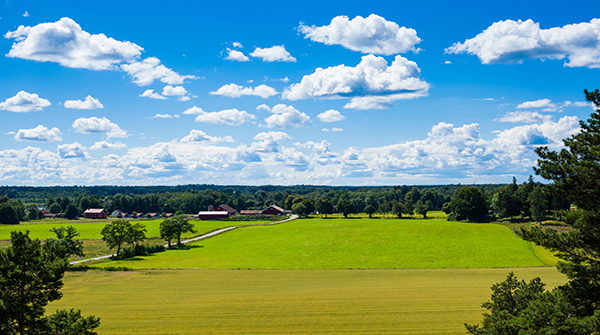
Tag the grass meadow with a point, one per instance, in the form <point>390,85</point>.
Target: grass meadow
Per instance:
<point>307,276</point>
<point>413,301</point>
<point>359,243</point>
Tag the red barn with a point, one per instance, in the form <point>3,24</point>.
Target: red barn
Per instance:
<point>225,208</point>
<point>272,210</point>
<point>95,213</point>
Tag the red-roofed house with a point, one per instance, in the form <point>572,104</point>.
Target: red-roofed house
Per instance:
<point>273,210</point>
<point>95,213</point>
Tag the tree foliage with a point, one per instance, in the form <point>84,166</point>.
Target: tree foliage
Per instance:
<point>172,228</point>
<point>573,308</point>
<point>121,231</point>
<point>469,203</point>
<point>30,277</point>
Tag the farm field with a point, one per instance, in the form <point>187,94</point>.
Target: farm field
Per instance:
<point>359,243</point>
<point>413,301</point>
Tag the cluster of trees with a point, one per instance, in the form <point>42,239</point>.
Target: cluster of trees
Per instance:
<point>519,307</point>
<point>31,275</point>
<point>121,231</point>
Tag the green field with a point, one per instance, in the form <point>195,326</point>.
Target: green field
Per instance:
<point>430,301</point>
<point>91,229</point>
<point>352,244</point>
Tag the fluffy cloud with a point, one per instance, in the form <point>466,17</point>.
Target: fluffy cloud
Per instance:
<point>368,35</point>
<point>89,103</point>
<point>525,117</point>
<point>237,56</point>
<point>275,53</point>
<point>451,153</point>
<point>164,116</point>
<point>542,103</point>
<point>272,136</point>
<point>331,116</point>
<point>372,84</point>
<point>200,136</point>
<point>103,145</point>
<point>64,42</point>
<point>152,95</point>
<point>72,150</point>
<point>193,111</point>
<point>148,70</point>
<point>336,129</point>
<point>97,125</point>
<point>513,41</point>
<point>232,117</point>
<point>547,133</point>
<point>236,91</point>
<point>39,133</point>
<point>287,117</point>
<point>174,90</point>
<point>24,102</point>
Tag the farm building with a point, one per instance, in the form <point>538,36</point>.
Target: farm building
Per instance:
<point>212,215</point>
<point>249,212</point>
<point>49,215</point>
<point>226,208</point>
<point>95,213</point>
<point>273,210</point>
<point>119,212</point>
<point>153,215</point>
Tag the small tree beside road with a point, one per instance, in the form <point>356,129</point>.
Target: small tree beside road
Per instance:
<point>173,228</point>
<point>121,231</point>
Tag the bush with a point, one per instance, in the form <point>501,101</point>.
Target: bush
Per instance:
<point>140,250</point>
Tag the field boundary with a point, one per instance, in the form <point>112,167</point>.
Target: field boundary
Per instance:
<point>201,237</point>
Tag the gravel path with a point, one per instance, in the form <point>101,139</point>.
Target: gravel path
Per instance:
<point>202,237</point>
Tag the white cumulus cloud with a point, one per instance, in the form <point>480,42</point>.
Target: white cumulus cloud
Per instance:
<point>98,125</point>
<point>150,69</point>
<point>372,34</point>
<point>524,116</point>
<point>39,134</point>
<point>287,117</point>
<point>272,136</point>
<point>372,84</point>
<point>236,91</point>
<point>64,42</point>
<point>164,116</point>
<point>89,103</point>
<point>542,103</point>
<point>331,116</point>
<point>104,145</point>
<point>174,90</point>
<point>231,117</point>
<point>275,53</point>
<point>237,56</point>
<point>152,95</point>
<point>24,102</point>
<point>513,41</point>
<point>200,136</point>
<point>72,150</point>
<point>193,111</point>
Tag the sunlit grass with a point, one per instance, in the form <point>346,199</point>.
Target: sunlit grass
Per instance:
<point>358,243</point>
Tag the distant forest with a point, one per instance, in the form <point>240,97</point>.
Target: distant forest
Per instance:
<point>507,200</point>
<point>192,198</point>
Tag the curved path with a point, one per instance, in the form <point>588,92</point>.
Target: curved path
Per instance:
<point>201,237</point>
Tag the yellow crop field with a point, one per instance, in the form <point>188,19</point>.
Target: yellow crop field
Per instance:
<point>413,301</point>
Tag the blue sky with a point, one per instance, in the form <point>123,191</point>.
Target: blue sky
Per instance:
<point>313,92</point>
